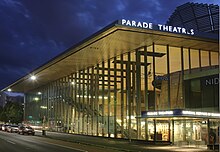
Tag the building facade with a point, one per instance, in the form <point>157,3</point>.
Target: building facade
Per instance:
<point>131,80</point>
<point>201,17</point>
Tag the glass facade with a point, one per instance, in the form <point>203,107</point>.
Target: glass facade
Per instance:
<point>107,98</point>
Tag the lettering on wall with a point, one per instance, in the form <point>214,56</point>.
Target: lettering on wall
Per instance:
<point>160,27</point>
<point>212,81</point>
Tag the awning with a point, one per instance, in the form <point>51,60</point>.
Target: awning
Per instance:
<point>107,43</point>
<point>179,113</point>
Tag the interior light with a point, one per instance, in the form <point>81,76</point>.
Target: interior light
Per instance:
<point>9,90</point>
<point>36,99</point>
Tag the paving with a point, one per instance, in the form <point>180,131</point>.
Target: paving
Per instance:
<point>121,144</point>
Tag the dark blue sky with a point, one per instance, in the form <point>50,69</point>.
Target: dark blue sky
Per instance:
<point>34,31</point>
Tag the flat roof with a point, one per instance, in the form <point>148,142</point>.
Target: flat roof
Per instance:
<point>107,43</point>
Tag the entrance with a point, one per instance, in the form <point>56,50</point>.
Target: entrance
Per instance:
<point>181,131</point>
<point>190,132</point>
<point>159,130</point>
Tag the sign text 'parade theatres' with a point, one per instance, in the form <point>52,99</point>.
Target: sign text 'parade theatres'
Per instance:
<point>159,27</point>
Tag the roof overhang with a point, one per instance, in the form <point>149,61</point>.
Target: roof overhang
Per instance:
<point>107,43</point>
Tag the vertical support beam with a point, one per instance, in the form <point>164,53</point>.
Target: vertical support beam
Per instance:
<point>133,99</point>
<point>75,101</point>
<point>154,76</point>
<point>54,103</point>
<point>128,92</point>
<point>208,132</point>
<point>109,97</point>
<point>88,104</point>
<point>71,102</point>
<point>182,76</point>
<point>79,102</point>
<point>200,61</point>
<point>92,98</point>
<point>64,102</point>
<point>24,115</point>
<point>169,130</point>
<point>189,60</point>
<point>61,102</point>
<point>83,102</point>
<point>133,88</point>
<point>122,95</point>
<point>172,131</point>
<point>138,93</point>
<point>67,99</point>
<point>115,98</point>
<point>210,59</point>
<point>146,89</point>
<point>103,98</point>
<point>168,75</point>
<point>47,103</point>
<point>57,103</point>
<point>97,99</point>
<point>155,130</point>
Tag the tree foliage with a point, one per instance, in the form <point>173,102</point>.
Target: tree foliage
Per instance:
<point>12,112</point>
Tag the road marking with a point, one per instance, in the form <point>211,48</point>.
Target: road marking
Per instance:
<point>10,142</point>
<point>65,146</point>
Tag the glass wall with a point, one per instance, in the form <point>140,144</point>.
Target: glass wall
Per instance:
<point>107,98</point>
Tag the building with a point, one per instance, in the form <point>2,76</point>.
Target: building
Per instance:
<point>200,17</point>
<point>132,80</point>
<point>2,99</point>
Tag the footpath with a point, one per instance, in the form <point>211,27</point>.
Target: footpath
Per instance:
<point>120,144</point>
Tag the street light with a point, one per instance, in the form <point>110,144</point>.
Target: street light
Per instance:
<point>9,90</point>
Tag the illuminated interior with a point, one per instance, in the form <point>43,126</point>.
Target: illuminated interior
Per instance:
<point>106,99</point>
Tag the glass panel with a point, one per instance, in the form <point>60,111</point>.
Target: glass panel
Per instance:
<point>175,59</point>
<point>175,78</point>
<point>150,130</point>
<point>214,58</point>
<point>186,60</point>
<point>151,99</point>
<point>162,130</point>
<point>204,58</point>
<point>194,55</point>
<point>214,131</point>
<point>190,132</point>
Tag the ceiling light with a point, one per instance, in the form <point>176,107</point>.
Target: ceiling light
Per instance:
<point>33,77</point>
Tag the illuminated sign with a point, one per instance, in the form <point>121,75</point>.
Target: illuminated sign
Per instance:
<point>160,113</point>
<point>160,27</point>
<point>178,112</point>
<point>197,113</point>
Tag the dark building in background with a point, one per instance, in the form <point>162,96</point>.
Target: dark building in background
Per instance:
<point>200,17</point>
<point>3,96</point>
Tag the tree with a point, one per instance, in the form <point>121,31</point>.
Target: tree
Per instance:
<point>12,112</point>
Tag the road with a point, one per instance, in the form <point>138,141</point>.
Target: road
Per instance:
<point>58,142</point>
<point>12,142</point>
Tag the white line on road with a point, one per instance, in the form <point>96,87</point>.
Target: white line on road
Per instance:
<point>10,142</point>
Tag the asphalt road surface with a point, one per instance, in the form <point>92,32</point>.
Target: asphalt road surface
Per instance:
<point>13,142</point>
<point>57,142</point>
